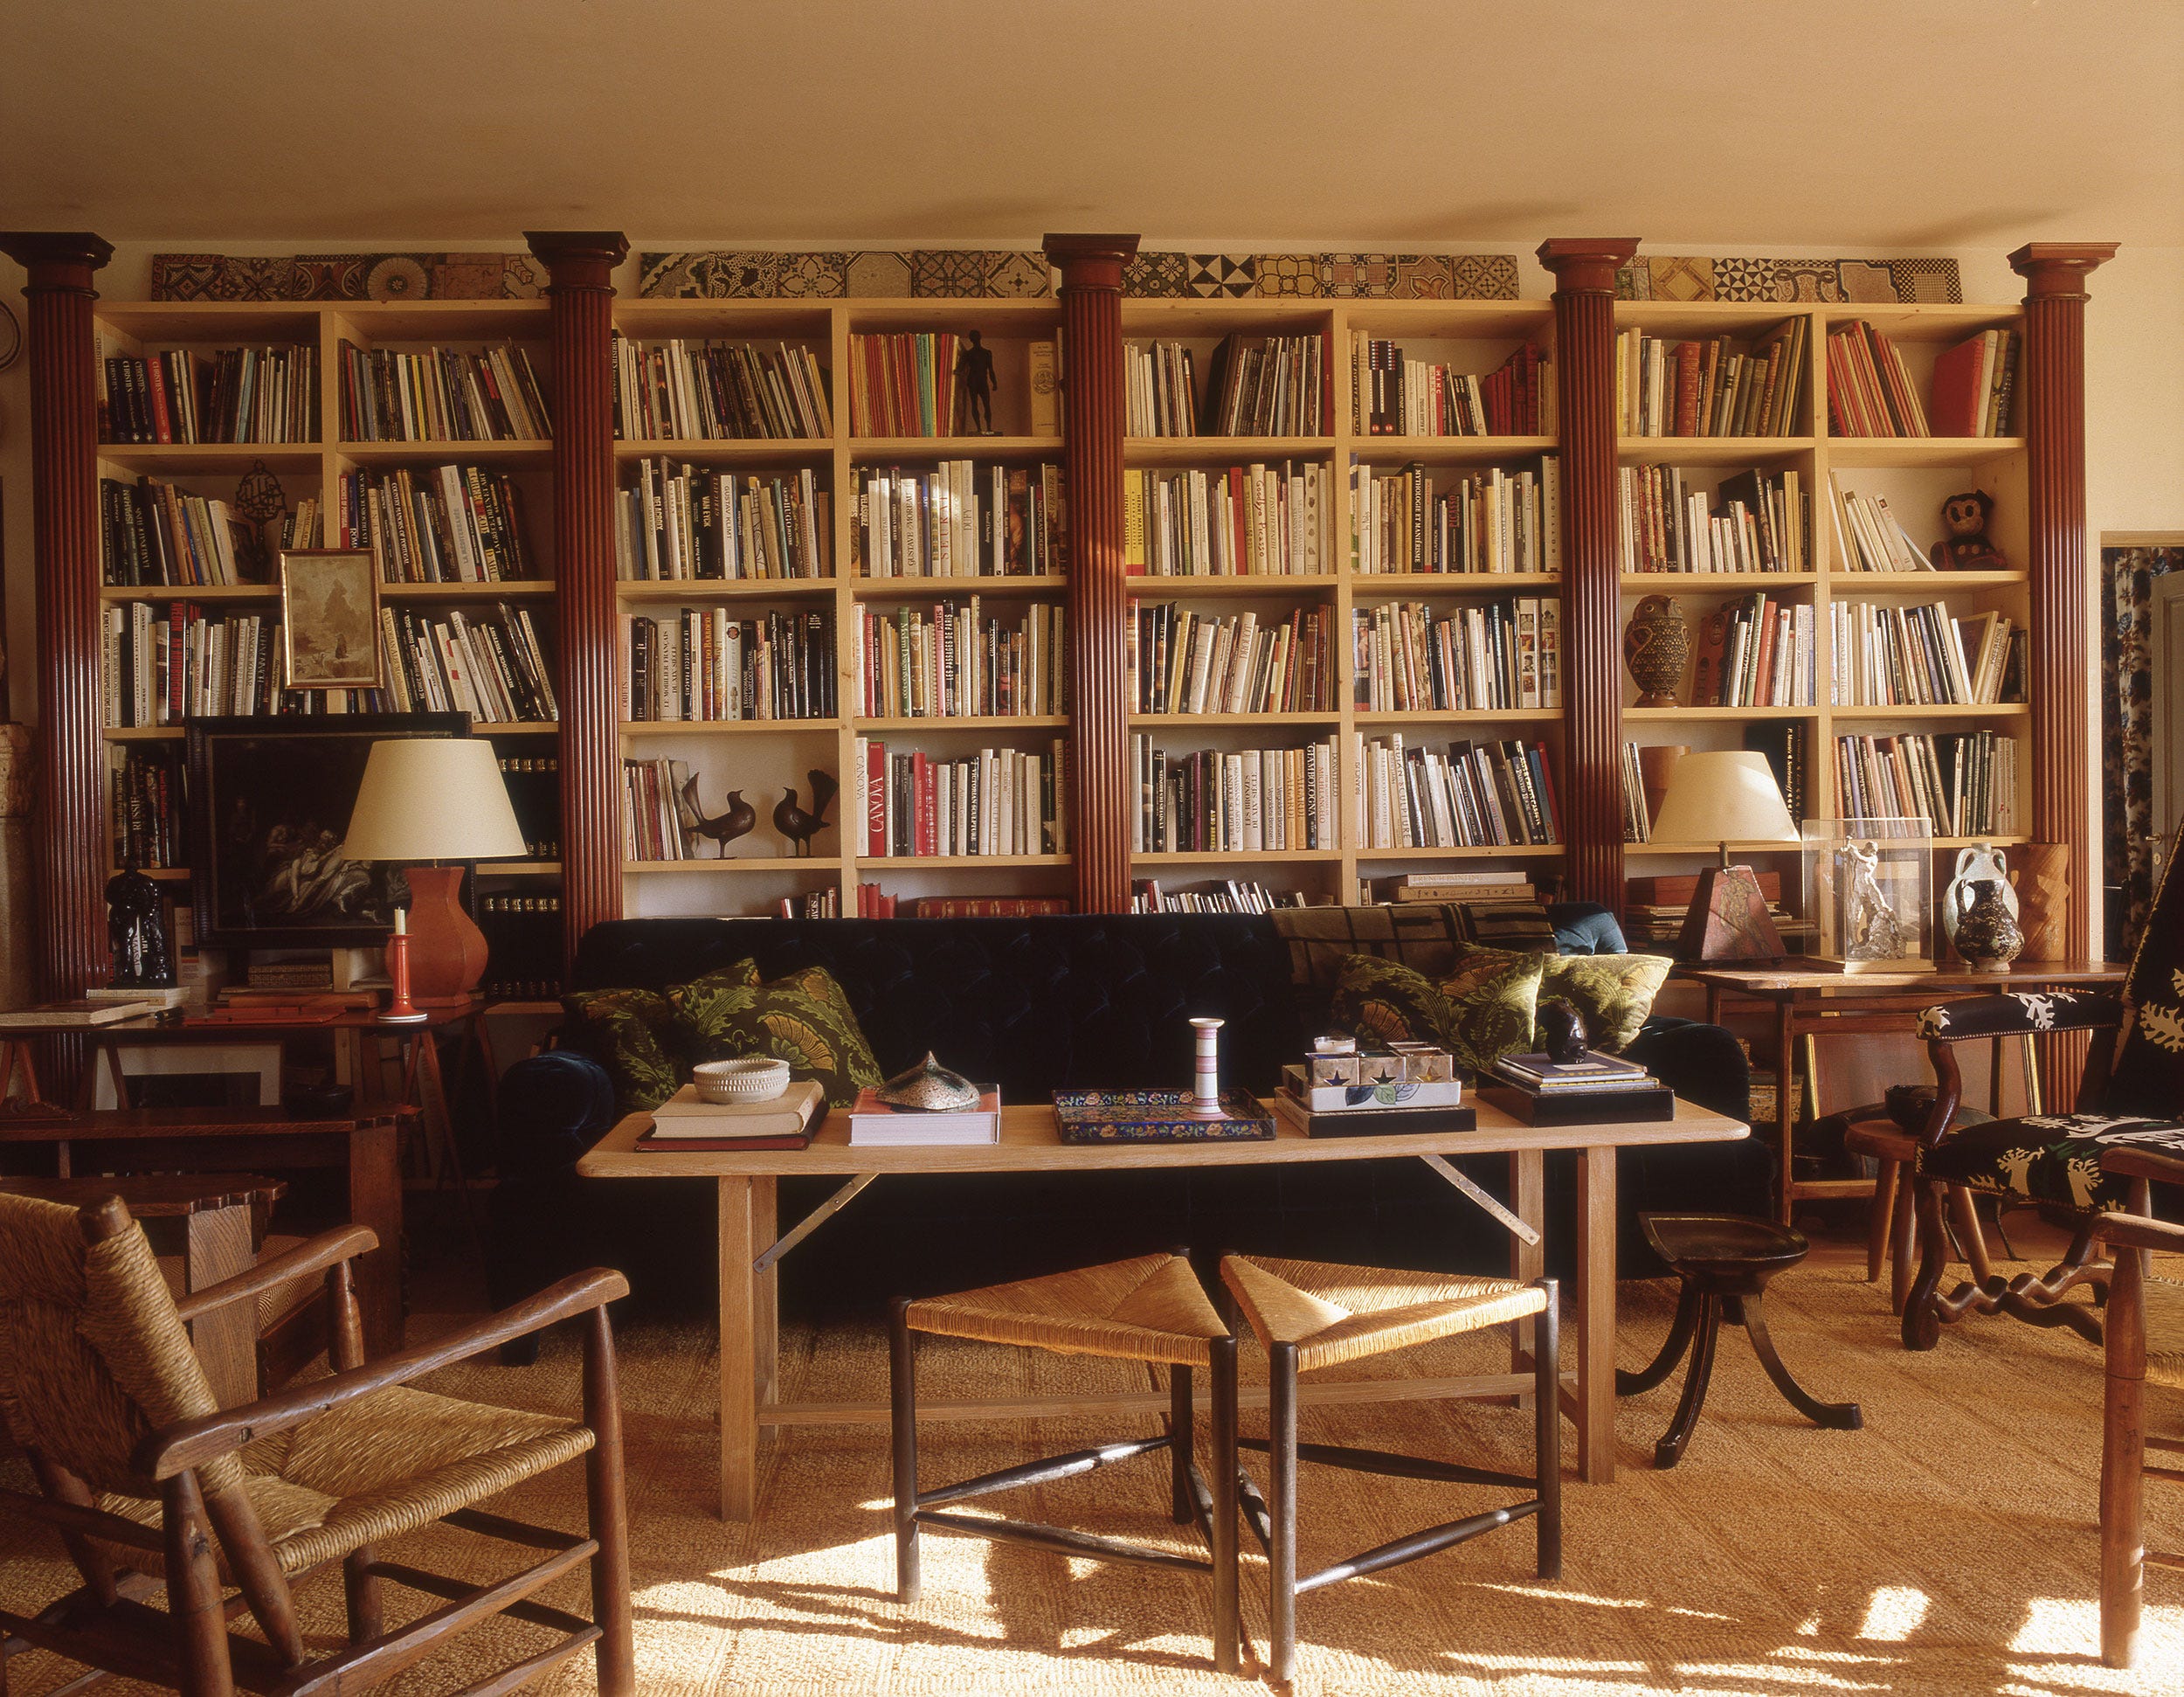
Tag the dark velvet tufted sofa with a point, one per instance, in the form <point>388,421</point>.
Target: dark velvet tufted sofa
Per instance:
<point>1037,1005</point>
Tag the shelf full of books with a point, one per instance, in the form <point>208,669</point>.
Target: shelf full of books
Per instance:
<point>717,392</point>
<point>1246,385</point>
<point>1490,794</point>
<point>960,659</point>
<point>1419,521</point>
<point>1253,521</point>
<point>957,519</point>
<point>1181,660</point>
<point>1477,658</point>
<point>1237,801</point>
<point>1713,385</point>
<point>1674,519</point>
<point>677,522</point>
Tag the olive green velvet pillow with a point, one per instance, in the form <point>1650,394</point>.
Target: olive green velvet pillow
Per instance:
<point>1478,1015</point>
<point>1614,992</point>
<point>629,1033</point>
<point>803,1019</point>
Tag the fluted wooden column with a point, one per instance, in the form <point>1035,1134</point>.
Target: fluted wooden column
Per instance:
<point>1102,796</point>
<point>69,849</point>
<point>1591,685</point>
<point>2052,379</point>
<point>581,264</point>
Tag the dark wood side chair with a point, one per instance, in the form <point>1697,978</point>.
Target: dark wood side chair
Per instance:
<point>2145,1344</point>
<point>1316,1314</point>
<point>151,1486</point>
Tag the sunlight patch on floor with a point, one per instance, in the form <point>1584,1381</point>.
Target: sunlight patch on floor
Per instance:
<point>1894,1613</point>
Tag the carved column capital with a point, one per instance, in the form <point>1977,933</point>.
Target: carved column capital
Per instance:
<point>1587,262</point>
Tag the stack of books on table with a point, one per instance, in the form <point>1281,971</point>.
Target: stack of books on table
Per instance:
<point>1595,1088</point>
<point>1482,886</point>
<point>873,1123</point>
<point>1355,1091</point>
<point>684,1121</point>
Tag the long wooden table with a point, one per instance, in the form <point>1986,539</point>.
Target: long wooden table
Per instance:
<point>750,1401</point>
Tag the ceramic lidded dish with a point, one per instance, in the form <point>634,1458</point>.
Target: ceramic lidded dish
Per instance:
<point>753,1078</point>
<point>929,1087</point>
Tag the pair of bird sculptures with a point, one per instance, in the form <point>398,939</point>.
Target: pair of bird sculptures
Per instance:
<point>798,825</point>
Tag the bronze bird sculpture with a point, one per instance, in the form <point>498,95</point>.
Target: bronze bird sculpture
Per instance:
<point>724,828</point>
<point>794,822</point>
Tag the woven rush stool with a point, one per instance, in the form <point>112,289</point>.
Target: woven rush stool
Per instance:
<point>1724,1262</point>
<point>1315,1313</point>
<point>1151,1309</point>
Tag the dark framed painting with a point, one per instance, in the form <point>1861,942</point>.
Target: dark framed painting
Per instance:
<point>270,800</point>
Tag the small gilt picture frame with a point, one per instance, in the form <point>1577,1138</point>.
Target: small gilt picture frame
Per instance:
<point>329,618</point>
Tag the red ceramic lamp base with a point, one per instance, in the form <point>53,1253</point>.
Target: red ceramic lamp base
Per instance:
<point>447,951</point>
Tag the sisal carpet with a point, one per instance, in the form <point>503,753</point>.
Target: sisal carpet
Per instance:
<point>1948,1547</point>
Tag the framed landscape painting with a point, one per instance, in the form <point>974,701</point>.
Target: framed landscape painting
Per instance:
<point>329,618</point>
<point>270,799</point>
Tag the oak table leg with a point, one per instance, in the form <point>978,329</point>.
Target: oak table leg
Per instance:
<point>739,1351</point>
<point>1785,1104</point>
<point>1596,1315</point>
<point>1527,1262</point>
<point>375,1200</point>
<point>765,1323</point>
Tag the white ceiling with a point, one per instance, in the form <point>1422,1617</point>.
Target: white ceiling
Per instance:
<point>1908,124</point>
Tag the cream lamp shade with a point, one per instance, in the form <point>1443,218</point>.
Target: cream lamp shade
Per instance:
<point>433,799</point>
<point>1728,796</point>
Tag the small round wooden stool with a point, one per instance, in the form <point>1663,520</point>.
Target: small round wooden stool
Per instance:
<point>1724,1261</point>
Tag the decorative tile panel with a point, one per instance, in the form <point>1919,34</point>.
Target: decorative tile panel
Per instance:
<point>347,277</point>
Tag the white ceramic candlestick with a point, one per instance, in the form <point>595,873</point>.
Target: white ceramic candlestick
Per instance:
<point>1205,1075</point>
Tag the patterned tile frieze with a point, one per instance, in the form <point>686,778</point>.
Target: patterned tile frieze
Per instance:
<point>347,277</point>
<point>1692,277</point>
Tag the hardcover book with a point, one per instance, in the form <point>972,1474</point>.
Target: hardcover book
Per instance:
<point>1582,1107</point>
<point>1154,1115</point>
<point>684,1121</point>
<point>1374,1122</point>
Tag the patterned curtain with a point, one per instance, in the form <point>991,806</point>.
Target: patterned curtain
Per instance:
<point>2127,726</point>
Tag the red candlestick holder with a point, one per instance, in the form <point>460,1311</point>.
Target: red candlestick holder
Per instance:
<point>400,1010</point>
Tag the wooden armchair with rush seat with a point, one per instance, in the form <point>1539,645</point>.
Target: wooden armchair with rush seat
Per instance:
<point>152,1487</point>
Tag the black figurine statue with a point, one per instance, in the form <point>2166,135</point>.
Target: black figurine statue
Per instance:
<point>723,829</point>
<point>974,380</point>
<point>136,932</point>
<point>793,822</point>
<point>1561,1030</point>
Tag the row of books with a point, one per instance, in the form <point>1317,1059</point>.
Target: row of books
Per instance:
<point>1485,794</point>
<point>146,792</point>
<point>1754,521</point>
<point>700,664</point>
<point>997,801</point>
<point>1243,522</point>
<point>1391,394</point>
<point>1493,520</point>
<point>231,395</point>
<point>487,664</point>
<point>659,820</point>
<point>533,786</point>
<point>435,524</point>
<point>1755,652</point>
<point>1486,884</point>
<point>442,395</point>
<point>1869,537</point>
<point>162,535</point>
<point>1974,385</point>
<point>1160,389</point>
<point>873,902</point>
<point>954,660</point>
<point>1637,816</point>
<point>1493,656</point>
<point>162,665</point>
<point>1676,388</point>
<point>1183,662</point>
<point>906,383</point>
<point>1962,784</point>
<point>1214,896</point>
<point>1253,385</point>
<point>1894,656</point>
<point>958,520</point>
<point>522,935</point>
<point>718,392</point>
<point>1235,801</point>
<point>674,521</point>
<point>1870,390</point>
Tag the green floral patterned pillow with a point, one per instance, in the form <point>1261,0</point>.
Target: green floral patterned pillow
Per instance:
<point>1478,1015</point>
<point>630,1033</point>
<point>1614,992</point>
<point>803,1019</point>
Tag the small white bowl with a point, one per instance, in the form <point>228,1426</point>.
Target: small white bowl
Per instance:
<point>756,1079</point>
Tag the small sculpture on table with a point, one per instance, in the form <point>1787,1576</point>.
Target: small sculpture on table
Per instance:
<point>1873,931</point>
<point>1562,1034</point>
<point>794,822</point>
<point>723,829</point>
<point>137,933</point>
<point>1656,648</point>
<point>974,382</point>
<point>1967,547</point>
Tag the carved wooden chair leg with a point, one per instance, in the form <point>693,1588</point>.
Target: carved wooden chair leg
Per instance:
<point>1679,1338</point>
<point>2123,1461</point>
<point>1879,1222</point>
<point>1670,1450</point>
<point>1903,1231</point>
<point>1922,1320</point>
<point>1839,1417</point>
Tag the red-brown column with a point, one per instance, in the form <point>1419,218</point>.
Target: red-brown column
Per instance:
<point>581,264</point>
<point>1592,688</point>
<point>2054,424</point>
<point>69,846</point>
<point>1101,794</point>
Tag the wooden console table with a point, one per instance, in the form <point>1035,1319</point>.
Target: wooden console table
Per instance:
<point>1809,1001</point>
<point>748,1360</point>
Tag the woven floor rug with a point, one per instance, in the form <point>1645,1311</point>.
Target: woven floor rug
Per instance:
<point>1948,1547</point>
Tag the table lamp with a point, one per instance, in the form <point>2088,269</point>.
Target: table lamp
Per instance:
<point>1725,797</point>
<point>429,799</point>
